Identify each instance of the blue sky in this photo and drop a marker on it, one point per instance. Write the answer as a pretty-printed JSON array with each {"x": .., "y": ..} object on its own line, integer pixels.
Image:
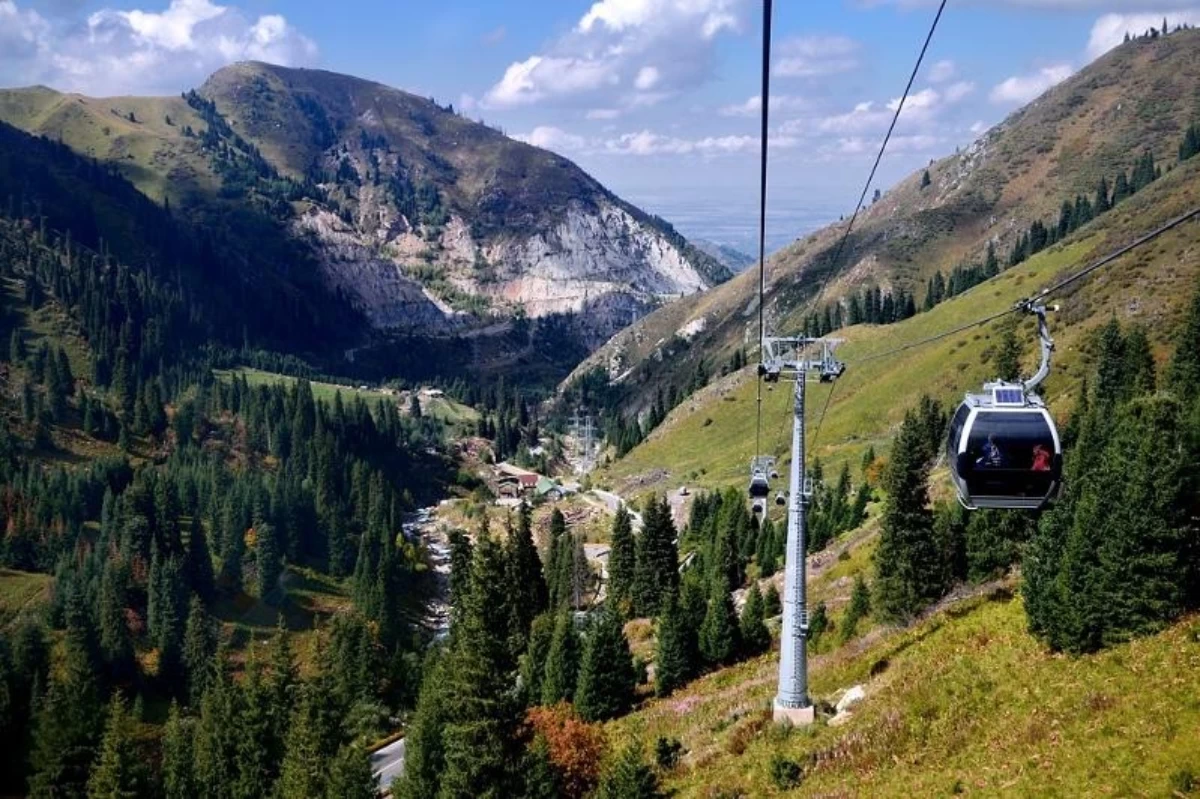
[{"x": 656, "y": 98}]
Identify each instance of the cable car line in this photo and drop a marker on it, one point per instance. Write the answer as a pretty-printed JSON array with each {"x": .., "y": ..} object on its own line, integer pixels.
[
  {"x": 1027, "y": 304},
  {"x": 912, "y": 78},
  {"x": 762, "y": 210}
]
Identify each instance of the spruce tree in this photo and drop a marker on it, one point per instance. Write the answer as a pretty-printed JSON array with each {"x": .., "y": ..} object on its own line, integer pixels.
[
  {"x": 859, "y": 608},
  {"x": 656, "y": 572},
  {"x": 755, "y": 637},
  {"x": 67, "y": 727},
  {"x": 533, "y": 661},
  {"x": 994, "y": 539},
  {"x": 1183, "y": 373},
  {"x": 480, "y": 734},
  {"x": 119, "y": 772},
  {"x": 607, "y": 680},
  {"x": 177, "y": 779},
  {"x": 629, "y": 777},
  {"x": 719, "y": 634},
  {"x": 622, "y": 561},
  {"x": 675, "y": 654},
  {"x": 911, "y": 572},
  {"x": 199, "y": 648},
  {"x": 527, "y": 583},
  {"x": 562, "y": 661},
  {"x": 1006, "y": 362},
  {"x": 424, "y": 754},
  {"x": 313, "y": 739},
  {"x": 350, "y": 776},
  {"x": 772, "y": 606}
]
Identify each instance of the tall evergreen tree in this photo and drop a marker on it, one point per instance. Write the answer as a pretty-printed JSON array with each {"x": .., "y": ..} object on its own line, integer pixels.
[
  {"x": 119, "y": 771},
  {"x": 622, "y": 561},
  {"x": 858, "y": 609},
  {"x": 719, "y": 634},
  {"x": 629, "y": 777},
  {"x": 424, "y": 751},
  {"x": 67, "y": 727},
  {"x": 656, "y": 572},
  {"x": 199, "y": 648},
  {"x": 755, "y": 637},
  {"x": 177, "y": 779},
  {"x": 351, "y": 776},
  {"x": 525, "y": 575},
  {"x": 562, "y": 661},
  {"x": 911, "y": 572},
  {"x": 607, "y": 680},
  {"x": 480, "y": 735},
  {"x": 675, "y": 654}
]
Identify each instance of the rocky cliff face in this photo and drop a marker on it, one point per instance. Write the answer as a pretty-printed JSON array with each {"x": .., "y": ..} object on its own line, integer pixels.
[{"x": 431, "y": 222}]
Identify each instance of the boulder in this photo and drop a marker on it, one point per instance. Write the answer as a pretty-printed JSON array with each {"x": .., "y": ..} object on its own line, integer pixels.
[{"x": 851, "y": 698}]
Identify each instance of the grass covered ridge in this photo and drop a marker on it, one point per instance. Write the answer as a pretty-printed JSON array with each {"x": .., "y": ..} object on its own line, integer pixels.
[{"x": 964, "y": 702}]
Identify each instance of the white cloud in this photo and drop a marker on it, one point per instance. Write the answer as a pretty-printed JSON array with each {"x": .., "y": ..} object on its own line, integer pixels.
[
  {"x": 753, "y": 105},
  {"x": 603, "y": 113},
  {"x": 978, "y": 128},
  {"x": 816, "y": 56},
  {"x": 922, "y": 100},
  {"x": 137, "y": 51},
  {"x": 647, "y": 143},
  {"x": 942, "y": 71},
  {"x": 916, "y": 143},
  {"x": 1021, "y": 89},
  {"x": 623, "y": 53},
  {"x": 959, "y": 91},
  {"x": 1109, "y": 31},
  {"x": 549, "y": 137},
  {"x": 647, "y": 79},
  {"x": 1046, "y": 5}
]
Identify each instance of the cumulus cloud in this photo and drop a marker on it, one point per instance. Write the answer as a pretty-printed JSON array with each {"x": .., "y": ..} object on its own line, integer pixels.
[
  {"x": 647, "y": 143},
  {"x": 1110, "y": 29},
  {"x": 623, "y": 53},
  {"x": 942, "y": 71},
  {"x": 549, "y": 137},
  {"x": 959, "y": 91},
  {"x": 135, "y": 51},
  {"x": 816, "y": 56},
  {"x": 753, "y": 105},
  {"x": 915, "y": 143},
  {"x": 1021, "y": 89}
]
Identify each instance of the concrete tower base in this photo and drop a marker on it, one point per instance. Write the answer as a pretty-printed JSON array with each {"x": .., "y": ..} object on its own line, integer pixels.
[{"x": 795, "y": 716}]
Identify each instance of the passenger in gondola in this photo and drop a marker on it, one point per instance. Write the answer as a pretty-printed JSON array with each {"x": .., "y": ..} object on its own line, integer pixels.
[
  {"x": 992, "y": 458},
  {"x": 1041, "y": 459}
]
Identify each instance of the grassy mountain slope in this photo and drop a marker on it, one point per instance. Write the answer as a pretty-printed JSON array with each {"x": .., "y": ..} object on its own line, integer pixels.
[
  {"x": 1140, "y": 96},
  {"x": 710, "y": 437},
  {"x": 963, "y": 702}
]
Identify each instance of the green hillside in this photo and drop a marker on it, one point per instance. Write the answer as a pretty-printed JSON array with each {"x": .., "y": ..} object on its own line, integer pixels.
[
  {"x": 1139, "y": 98},
  {"x": 709, "y": 438}
]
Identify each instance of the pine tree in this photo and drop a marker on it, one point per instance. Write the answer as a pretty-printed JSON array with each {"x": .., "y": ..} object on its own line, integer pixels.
[
  {"x": 910, "y": 571},
  {"x": 562, "y": 661},
  {"x": 350, "y": 776},
  {"x": 994, "y": 540},
  {"x": 656, "y": 572},
  {"x": 1183, "y": 373},
  {"x": 622, "y": 561},
  {"x": 675, "y": 655},
  {"x": 818, "y": 624},
  {"x": 199, "y": 648},
  {"x": 629, "y": 777},
  {"x": 859, "y": 608},
  {"x": 533, "y": 662},
  {"x": 313, "y": 739},
  {"x": 67, "y": 727},
  {"x": 176, "y": 772},
  {"x": 772, "y": 607},
  {"x": 480, "y": 734},
  {"x": 719, "y": 633},
  {"x": 527, "y": 584},
  {"x": 1007, "y": 360},
  {"x": 119, "y": 773},
  {"x": 607, "y": 680},
  {"x": 424, "y": 754},
  {"x": 269, "y": 556},
  {"x": 755, "y": 637}
]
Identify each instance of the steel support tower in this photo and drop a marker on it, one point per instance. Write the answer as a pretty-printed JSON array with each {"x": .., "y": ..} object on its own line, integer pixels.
[{"x": 799, "y": 359}]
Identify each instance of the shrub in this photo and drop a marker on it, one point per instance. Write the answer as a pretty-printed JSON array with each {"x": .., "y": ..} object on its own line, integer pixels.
[
  {"x": 667, "y": 752},
  {"x": 786, "y": 774}
]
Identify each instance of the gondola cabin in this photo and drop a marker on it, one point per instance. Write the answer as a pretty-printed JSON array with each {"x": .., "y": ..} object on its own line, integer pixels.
[{"x": 1003, "y": 450}]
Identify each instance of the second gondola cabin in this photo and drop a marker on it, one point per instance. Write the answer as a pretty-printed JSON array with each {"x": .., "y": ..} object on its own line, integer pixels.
[{"x": 1004, "y": 450}]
